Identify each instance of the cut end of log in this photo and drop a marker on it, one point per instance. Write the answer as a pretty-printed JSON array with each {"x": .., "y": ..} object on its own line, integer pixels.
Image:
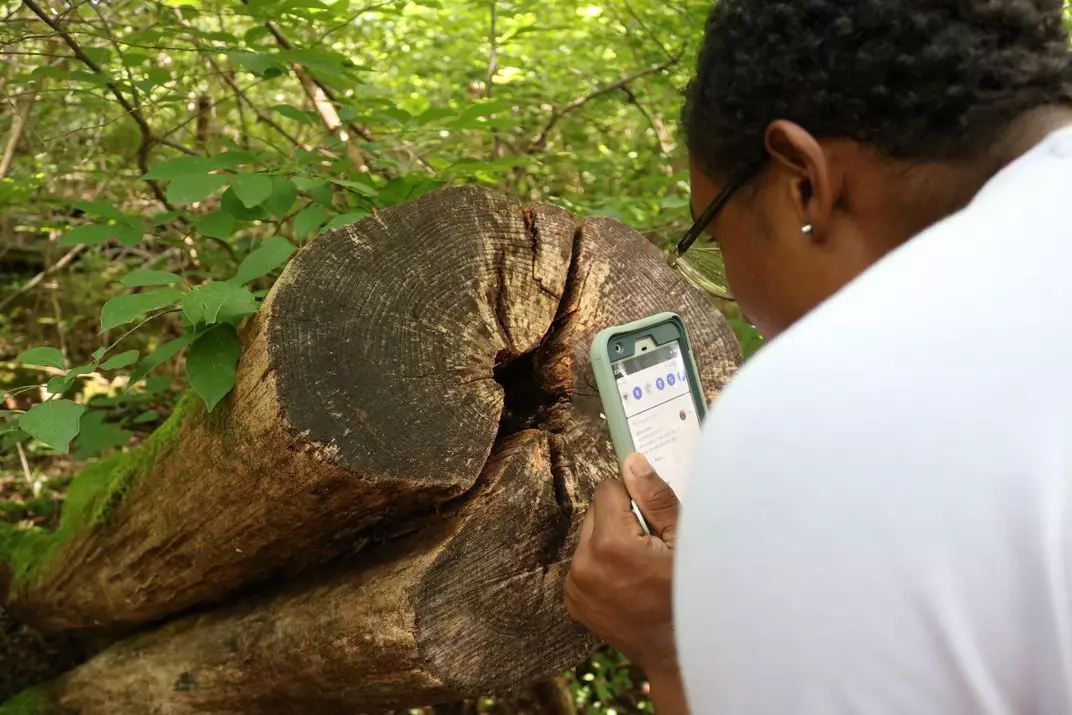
[{"x": 496, "y": 588}]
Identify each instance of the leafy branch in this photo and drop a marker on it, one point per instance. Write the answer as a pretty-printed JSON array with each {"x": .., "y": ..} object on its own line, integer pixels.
[
  {"x": 148, "y": 138},
  {"x": 540, "y": 140}
]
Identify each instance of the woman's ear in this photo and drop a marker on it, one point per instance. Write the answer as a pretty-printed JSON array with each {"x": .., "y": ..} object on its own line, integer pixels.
[{"x": 813, "y": 188}]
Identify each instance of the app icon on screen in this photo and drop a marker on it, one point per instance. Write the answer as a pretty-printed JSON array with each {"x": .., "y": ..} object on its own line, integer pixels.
[
  {"x": 637, "y": 393},
  {"x": 670, "y": 379},
  {"x": 660, "y": 383}
]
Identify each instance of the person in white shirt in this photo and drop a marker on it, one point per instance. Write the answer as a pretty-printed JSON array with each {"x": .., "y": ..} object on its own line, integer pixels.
[{"x": 880, "y": 515}]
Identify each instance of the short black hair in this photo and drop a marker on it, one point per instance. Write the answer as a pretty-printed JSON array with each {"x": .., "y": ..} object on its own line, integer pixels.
[{"x": 917, "y": 79}]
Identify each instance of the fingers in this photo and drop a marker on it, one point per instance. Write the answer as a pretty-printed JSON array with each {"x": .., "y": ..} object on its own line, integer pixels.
[
  {"x": 656, "y": 499},
  {"x": 613, "y": 510}
]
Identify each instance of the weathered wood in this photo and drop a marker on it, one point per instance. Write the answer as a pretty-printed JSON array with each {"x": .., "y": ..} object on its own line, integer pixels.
[
  {"x": 471, "y": 604},
  {"x": 419, "y": 382},
  {"x": 366, "y": 391}
]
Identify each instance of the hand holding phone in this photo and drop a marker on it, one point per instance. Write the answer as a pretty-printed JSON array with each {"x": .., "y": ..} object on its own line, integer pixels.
[{"x": 651, "y": 394}]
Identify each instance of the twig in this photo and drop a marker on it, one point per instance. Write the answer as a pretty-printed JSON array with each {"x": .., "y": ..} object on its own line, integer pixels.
[
  {"x": 540, "y": 139},
  {"x": 17, "y": 126},
  {"x": 493, "y": 66},
  {"x": 368, "y": 8},
  {"x": 307, "y": 80},
  {"x": 493, "y": 55},
  {"x": 58, "y": 317},
  {"x": 240, "y": 96},
  {"x": 646, "y": 29},
  {"x": 665, "y": 144},
  {"x": 33, "y": 282},
  {"x": 25, "y": 464},
  {"x": 118, "y": 51},
  {"x": 147, "y": 136}
]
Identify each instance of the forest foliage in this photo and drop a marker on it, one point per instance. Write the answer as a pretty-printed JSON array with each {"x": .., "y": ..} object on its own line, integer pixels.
[{"x": 165, "y": 159}]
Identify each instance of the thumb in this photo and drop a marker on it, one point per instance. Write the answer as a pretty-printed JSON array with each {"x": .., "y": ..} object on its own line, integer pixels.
[{"x": 656, "y": 499}]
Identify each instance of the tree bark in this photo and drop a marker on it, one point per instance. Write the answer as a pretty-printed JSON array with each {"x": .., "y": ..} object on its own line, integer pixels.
[{"x": 416, "y": 406}]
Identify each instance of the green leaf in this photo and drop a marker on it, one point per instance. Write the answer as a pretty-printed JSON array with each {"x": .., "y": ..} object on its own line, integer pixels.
[
  {"x": 147, "y": 416},
  {"x": 54, "y": 422},
  {"x": 89, "y": 77},
  {"x": 212, "y": 363},
  {"x": 316, "y": 188},
  {"x": 231, "y": 159},
  {"x": 102, "y": 210},
  {"x": 272, "y": 253},
  {"x": 93, "y": 234},
  {"x": 139, "y": 278},
  {"x": 183, "y": 166},
  {"x": 158, "y": 76},
  {"x": 166, "y": 217},
  {"x": 59, "y": 385},
  {"x": 99, "y": 353},
  {"x": 357, "y": 186},
  {"x": 284, "y": 194},
  {"x": 256, "y": 33},
  {"x": 95, "y": 435},
  {"x": 308, "y": 221},
  {"x": 44, "y": 357},
  {"x": 217, "y": 302},
  {"x": 298, "y": 115},
  {"x": 217, "y": 224},
  {"x": 82, "y": 370},
  {"x": 100, "y": 55},
  {"x": 189, "y": 188},
  {"x": 121, "y": 360},
  {"x": 125, "y": 308},
  {"x": 230, "y": 203},
  {"x": 252, "y": 189},
  {"x": 259, "y": 64},
  {"x": 346, "y": 219},
  {"x": 483, "y": 109},
  {"x": 129, "y": 236},
  {"x": 434, "y": 114},
  {"x": 159, "y": 356}
]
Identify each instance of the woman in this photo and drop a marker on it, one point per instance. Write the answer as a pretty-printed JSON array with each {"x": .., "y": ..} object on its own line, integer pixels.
[{"x": 881, "y": 518}]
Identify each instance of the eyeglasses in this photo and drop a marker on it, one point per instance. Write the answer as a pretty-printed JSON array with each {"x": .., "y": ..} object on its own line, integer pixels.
[{"x": 704, "y": 268}]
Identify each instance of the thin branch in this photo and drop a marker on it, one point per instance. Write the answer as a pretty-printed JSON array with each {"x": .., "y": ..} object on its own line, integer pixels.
[
  {"x": 18, "y": 124},
  {"x": 646, "y": 29},
  {"x": 540, "y": 140},
  {"x": 134, "y": 112},
  {"x": 368, "y": 8},
  {"x": 33, "y": 282},
  {"x": 665, "y": 144},
  {"x": 147, "y": 136},
  {"x": 308, "y": 82},
  {"x": 493, "y": 54},
  {"x": 240, "y": 96},
  {"x": 118, "y": 51}
]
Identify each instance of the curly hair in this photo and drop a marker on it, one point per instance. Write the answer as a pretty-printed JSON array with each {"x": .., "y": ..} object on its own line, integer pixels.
[{"x": 917, "y": 79}]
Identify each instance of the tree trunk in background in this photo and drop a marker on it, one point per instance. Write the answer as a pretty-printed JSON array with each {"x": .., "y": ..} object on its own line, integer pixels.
[{"x": 418, "y": 385}]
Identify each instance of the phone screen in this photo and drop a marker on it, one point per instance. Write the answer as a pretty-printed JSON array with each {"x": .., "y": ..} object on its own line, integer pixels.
[{"x": 654, "y": 389}]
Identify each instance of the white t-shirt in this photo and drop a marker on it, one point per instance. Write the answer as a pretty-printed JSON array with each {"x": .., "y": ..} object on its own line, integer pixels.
[{"x": 880, "y": 516}]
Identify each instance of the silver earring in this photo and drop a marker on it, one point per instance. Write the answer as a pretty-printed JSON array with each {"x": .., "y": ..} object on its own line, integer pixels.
[{"x": 806, "y": 229}]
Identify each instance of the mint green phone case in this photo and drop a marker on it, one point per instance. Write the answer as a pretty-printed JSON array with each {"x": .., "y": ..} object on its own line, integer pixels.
[{"x": 608, "y": 389}]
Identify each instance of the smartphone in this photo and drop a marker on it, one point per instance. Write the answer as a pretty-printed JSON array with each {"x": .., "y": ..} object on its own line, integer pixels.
[{"x": 651, "y": 393}]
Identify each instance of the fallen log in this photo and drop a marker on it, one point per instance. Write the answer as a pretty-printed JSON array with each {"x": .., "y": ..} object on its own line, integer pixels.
[{"x": 420, "y": 382}]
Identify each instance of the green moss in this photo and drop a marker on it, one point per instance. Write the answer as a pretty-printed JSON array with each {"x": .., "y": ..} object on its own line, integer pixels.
[
  {"x": 91, "y": 500},
  {"x": 28, "y": 702}
]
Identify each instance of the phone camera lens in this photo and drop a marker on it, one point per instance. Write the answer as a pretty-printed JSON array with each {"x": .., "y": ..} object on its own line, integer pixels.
[{"x": 618, "y": 349}]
